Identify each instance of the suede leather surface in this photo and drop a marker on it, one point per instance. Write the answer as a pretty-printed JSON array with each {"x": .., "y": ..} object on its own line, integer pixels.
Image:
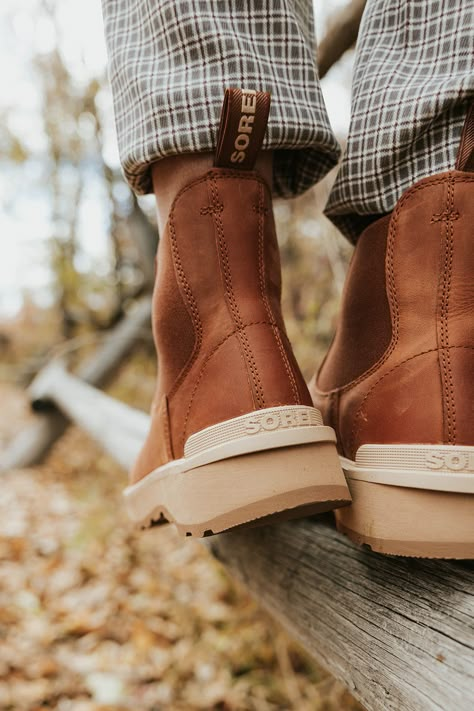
[
  {"x": 420, "y": 388},
  {"x": 218, "y": 327}
]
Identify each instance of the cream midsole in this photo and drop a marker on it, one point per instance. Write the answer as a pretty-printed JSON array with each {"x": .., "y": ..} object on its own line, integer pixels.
[
  {"x": 139, "y": 497},
  {"x": 447, "y": 468}
]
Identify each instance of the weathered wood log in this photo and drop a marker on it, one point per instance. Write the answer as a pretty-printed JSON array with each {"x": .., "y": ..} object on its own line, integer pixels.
[
  {"x": 30, "y": 445},
  {"x": 33, "y": 442},
  {"x": 398, "y": 632},
  {"x": 118, "y": 428},
  {"x": 341, "y": 35}
]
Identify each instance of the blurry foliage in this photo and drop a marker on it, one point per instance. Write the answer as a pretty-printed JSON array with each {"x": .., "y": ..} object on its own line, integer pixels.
[
  {"x": 72, "y": 167},
  {"x": 73, "y": 128},
  {"x": 26, "y": 342},
  {"x": 72, "y": 123}
]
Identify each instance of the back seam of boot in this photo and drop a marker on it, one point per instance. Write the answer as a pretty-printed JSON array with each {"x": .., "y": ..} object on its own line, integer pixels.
[
  {"x": 261, "y": 212},
  {"x": 233, "y": 308}
]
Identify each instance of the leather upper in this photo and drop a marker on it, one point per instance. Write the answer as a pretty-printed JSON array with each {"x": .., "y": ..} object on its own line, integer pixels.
[
  {"x": 401, "y": 366},
  {"x": 217, "y": 322}
]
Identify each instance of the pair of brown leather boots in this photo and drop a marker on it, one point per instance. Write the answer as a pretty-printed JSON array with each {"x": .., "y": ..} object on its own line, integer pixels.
[{"x": 385, "y": 432}]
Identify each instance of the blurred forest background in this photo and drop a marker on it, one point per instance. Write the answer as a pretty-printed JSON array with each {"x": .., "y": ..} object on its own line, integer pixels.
[{"x": 92, "y": 615}]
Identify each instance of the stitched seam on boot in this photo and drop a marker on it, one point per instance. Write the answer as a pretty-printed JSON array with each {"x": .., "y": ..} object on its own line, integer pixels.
[
  {"x": 263, "y": 292},
  {"x": 334, "y": 410},
  {"x": 379, "y": 363},
  {"x": 247, "y": 356},
  {"x": 189, "y": 301},
  {"x": 168, "y": 443},
  {"x": 393, "y": 304},
  {"x": 444, "y": 355},
  {"x": 222, "y": 176},
  {"x": 188, "y": 297},
  {"x": 206, "y": 362}
]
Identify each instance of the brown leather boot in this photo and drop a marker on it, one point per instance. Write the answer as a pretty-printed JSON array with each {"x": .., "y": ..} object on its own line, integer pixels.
[
  {"x": 398, "y": 382},
  {"x": 234, "y": 437}
]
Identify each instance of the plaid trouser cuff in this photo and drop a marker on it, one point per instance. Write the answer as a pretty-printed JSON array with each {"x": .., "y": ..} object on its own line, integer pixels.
[
  {"x": 171, "y": 60},
  {"x": 413, "y": 83}
]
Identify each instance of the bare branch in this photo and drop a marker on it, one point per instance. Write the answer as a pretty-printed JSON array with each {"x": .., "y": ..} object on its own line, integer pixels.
[{"x": 341, "y": 35}]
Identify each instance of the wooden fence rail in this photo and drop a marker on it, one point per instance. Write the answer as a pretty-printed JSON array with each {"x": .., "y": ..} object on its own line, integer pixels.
[{"x": 48, "y": 425}]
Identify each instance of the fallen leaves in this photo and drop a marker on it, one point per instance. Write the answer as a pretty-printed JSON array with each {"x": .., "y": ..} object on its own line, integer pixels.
[{"x": 95, "y": 616}]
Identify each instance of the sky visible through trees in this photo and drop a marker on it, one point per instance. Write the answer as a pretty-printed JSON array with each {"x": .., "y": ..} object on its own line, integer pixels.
[{"x": 59, "y": 170}]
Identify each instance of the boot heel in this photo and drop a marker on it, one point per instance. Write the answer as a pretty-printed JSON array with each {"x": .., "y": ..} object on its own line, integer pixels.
[
  {"x": 430, "y": 517},
  {"x": 251, "y": 489}
]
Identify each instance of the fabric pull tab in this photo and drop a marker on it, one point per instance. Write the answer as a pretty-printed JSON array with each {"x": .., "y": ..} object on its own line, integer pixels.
[
  {"x": 242, "y": 128},
  {"x": 465, "y": 158}
]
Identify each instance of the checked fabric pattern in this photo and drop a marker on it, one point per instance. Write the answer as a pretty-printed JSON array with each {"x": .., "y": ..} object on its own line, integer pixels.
[
  {"x": 170, "y": 61},
  {"x": 412, "y": 86}
]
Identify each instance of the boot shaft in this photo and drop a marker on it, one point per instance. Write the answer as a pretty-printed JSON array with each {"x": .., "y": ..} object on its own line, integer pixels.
[
  {"x": 401, "y": 365},
  {"x": 218, "y": 265},
  {"x": 217, "y": 302}
]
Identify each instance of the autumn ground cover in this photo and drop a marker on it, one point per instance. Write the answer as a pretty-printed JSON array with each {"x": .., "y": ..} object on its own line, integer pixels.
[{"x": 95, "y": 616}]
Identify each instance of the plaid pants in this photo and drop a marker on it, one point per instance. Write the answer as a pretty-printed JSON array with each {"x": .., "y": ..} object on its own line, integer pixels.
[{"x": 170, "y": 61}]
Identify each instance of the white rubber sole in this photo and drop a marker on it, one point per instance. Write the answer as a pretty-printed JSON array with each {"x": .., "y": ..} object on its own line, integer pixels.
[
  {"x": 411, "y": 500},
  {"x": 268, "y": 465}
]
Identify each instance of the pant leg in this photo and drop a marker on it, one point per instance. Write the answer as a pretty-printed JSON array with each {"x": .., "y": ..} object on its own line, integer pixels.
[
  {"x": 170, "y": 61},
  {"x": 413, "y": 82}
]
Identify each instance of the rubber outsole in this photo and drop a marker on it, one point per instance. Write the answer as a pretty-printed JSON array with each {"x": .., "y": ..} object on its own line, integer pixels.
[
  {"x": 257, "y": 488},
  {"x": 408, "y": 521}
]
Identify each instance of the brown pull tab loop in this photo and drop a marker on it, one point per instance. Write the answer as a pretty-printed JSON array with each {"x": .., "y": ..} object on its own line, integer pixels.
[
  {"x": 465, "y": 158},
  {"x": 242, "y": 128}
]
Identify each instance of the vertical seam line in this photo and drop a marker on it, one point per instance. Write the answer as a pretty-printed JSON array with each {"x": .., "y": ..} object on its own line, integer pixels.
[
  {"x": 262, "y": 279},
  {"x": 444, "y": 354},
  {"x": 231, "y": 300},
  {"x": 189, "y": 301}
]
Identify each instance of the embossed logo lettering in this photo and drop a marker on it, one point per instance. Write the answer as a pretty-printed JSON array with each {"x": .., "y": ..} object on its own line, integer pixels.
[
  {"x": 277, "y": 420},
  {"x": 241, "y": 143},
  {"x": 453, "y": 461}
]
